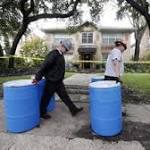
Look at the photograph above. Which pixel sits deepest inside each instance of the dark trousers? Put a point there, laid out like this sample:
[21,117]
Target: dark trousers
[111,78]
[49,89]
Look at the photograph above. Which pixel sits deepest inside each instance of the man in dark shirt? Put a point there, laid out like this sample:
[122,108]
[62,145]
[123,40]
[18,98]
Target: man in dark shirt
[53,69]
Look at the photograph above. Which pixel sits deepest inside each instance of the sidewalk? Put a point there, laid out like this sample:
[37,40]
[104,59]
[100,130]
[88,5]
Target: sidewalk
[64,132]
[80,79]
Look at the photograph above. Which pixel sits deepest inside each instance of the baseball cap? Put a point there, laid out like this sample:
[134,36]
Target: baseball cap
[67,44]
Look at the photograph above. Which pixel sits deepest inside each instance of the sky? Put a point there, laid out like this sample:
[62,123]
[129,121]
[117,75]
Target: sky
[108,19]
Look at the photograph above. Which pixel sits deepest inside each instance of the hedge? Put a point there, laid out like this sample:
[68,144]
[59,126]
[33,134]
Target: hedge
[139,66]
[132,66]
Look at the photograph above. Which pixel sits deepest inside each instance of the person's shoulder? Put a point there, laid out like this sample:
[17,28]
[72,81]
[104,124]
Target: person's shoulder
[53,52]
[116,50]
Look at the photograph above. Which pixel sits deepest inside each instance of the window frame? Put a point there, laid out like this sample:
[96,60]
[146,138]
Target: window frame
[86,38]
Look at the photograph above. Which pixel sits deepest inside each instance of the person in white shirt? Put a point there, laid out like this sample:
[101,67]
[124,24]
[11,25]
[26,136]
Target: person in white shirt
[115,65]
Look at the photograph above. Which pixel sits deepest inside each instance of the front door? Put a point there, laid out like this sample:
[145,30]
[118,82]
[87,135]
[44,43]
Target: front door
[86,57]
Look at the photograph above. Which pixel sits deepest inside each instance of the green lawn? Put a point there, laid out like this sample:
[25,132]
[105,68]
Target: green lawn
[138,81]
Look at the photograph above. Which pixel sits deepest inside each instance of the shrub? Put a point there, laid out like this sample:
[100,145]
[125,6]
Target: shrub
[140,66]
[3,63]
[146,56]
[34,48]
[20,62]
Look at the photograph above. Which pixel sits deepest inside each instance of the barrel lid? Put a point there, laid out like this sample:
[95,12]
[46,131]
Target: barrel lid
[104,84]
[18,83]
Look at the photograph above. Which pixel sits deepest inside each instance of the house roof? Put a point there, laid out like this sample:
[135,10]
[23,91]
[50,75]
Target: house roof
[74,29]
[114,29]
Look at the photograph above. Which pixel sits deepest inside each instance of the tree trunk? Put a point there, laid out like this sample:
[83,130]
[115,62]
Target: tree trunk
[1,51]
[138,37]
[7,44]
[137,50]
[27,19]
[149,27]
[15,43]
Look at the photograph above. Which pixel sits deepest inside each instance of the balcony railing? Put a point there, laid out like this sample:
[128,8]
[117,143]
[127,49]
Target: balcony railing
[87,46]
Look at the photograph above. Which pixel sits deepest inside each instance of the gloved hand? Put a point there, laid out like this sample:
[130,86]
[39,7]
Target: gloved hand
[34,81]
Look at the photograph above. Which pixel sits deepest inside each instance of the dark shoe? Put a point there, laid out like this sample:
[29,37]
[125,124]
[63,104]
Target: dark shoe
[124,114]
[76,111]
[38,126]
[45,116]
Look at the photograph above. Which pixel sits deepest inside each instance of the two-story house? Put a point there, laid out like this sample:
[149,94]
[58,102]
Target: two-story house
[90,42]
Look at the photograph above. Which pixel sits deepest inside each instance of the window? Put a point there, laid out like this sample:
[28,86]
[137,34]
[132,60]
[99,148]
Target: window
[87,37]
[110,38]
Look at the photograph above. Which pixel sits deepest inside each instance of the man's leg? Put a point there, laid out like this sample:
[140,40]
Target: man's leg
[62,93]
[49,90]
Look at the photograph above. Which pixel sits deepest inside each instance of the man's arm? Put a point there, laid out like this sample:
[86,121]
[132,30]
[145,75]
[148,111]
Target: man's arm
[47,64]
[116,66]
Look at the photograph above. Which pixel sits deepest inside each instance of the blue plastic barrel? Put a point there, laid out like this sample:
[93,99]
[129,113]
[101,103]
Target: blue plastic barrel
[21,105]
[97,78]
[52,103]
[105,108]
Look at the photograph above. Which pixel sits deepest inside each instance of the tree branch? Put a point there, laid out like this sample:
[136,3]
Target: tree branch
[46,15]
[138,7]
[142,10]
[31,8]
[27,19]
[21,31]
[22,5]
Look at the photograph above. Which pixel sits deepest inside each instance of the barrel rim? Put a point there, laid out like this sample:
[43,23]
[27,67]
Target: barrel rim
[10,83]
[112,85]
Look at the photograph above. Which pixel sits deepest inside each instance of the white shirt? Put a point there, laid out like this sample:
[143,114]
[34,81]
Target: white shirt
[115,54]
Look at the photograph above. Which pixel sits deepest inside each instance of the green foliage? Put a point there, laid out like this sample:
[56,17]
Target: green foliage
[137,20]
[19,62]
[146,56]
[3,63]
[9,16]
[140,67]
[9,22]
[34,48]
[16,15]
